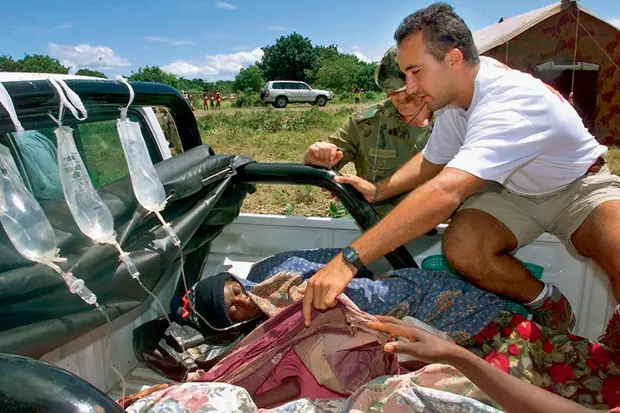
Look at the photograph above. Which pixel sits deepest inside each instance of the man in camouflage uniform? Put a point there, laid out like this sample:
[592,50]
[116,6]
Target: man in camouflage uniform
[380,138]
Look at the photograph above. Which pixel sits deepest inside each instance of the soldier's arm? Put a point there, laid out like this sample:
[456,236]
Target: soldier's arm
[347,139]
[411,175]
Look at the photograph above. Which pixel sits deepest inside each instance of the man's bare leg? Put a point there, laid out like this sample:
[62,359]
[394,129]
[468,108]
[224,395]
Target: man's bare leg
[599,238]
[478,246]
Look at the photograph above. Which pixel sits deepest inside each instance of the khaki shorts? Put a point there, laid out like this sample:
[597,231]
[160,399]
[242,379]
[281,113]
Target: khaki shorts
[560,213]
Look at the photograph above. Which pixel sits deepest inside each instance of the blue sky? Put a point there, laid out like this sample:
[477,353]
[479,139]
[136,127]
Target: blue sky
[214,39]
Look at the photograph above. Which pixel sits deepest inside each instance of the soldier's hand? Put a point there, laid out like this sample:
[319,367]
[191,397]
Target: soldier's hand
[323,154]
[367,189]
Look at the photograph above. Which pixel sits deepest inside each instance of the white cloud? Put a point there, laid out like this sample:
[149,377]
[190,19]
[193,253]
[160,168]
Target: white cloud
[277,28]
[156,39]
[65,25]
[171,42]
[188,70]
[373,54]
[224,5]
[615,22]
[87,56]
[214,66]
[181,42]
[363,58]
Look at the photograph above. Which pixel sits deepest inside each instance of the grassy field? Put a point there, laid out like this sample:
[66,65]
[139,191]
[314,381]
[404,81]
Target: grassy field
[269,135]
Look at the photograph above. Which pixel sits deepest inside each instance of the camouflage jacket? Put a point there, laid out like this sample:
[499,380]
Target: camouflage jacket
[378,142]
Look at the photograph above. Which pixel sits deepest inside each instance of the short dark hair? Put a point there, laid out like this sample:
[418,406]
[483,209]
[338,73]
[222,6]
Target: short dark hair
[443,30]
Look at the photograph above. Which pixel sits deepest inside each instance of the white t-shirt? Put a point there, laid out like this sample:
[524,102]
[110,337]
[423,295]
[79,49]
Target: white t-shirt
[518,131]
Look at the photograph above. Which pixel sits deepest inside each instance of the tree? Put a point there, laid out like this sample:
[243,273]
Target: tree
[89,72]
[365,76]
[288,59]
[7,64]
[32,63]
[155,74]
[344,72]
[321,55]
[251,78]
[41,64]
[223,86]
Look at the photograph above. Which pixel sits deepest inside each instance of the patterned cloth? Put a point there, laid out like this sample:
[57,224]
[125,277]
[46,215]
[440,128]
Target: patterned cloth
[196,397]
[442,300]
[570,366]
[338,349]
[222,398]
[436,388]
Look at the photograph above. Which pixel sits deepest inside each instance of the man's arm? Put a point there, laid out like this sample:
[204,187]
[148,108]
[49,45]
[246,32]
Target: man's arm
[338,151]
[423,209]
[412,174]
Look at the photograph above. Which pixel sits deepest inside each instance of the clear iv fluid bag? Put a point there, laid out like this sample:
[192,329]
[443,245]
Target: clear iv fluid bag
[90,213]
[147,186]
[21,215]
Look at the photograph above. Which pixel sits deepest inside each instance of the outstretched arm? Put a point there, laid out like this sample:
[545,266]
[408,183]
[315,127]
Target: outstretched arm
[512,394]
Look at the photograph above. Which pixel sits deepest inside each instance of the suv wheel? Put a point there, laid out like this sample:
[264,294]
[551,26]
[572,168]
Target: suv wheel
[321,100]
[281,102]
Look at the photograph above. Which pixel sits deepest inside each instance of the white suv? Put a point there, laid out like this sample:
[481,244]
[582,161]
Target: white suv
[280,92]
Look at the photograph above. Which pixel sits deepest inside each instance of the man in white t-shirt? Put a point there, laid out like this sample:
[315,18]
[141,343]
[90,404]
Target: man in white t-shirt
[509,153]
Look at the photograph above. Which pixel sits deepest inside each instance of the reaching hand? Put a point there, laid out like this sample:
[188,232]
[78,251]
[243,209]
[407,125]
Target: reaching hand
[324,286]
[422,345]
[367,189]
[323,154]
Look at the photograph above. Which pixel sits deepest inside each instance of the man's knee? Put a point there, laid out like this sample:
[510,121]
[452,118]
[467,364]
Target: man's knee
[473,237]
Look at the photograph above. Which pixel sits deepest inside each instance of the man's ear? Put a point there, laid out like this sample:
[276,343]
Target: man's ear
[454,58]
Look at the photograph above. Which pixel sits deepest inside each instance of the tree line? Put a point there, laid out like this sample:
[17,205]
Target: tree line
[291,57]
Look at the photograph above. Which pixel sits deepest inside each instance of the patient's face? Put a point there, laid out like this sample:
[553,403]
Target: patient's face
[239,305]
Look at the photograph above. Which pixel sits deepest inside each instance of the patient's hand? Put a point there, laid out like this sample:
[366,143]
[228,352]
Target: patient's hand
[287,391]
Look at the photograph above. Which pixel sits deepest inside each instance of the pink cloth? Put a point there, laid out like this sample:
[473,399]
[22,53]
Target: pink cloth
[292,366]
[338,349]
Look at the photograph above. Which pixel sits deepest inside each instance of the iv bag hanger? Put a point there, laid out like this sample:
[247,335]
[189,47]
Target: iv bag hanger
[147,186]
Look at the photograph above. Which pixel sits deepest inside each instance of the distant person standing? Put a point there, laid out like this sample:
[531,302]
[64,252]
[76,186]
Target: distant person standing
[357,92]
[218,101]
[212,102]
[205,100]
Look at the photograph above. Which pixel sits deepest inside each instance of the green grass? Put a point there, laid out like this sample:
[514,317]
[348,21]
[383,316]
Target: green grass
[269,135]
[103,153]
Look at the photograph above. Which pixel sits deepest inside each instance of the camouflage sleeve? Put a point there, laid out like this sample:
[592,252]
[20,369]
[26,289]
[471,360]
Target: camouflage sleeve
[347,139]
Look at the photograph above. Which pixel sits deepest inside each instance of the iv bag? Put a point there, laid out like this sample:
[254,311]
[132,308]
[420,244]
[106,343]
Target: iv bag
[90,213]
[21,215]
[147,186]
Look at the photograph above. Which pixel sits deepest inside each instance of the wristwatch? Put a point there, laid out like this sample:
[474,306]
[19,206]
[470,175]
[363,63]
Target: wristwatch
[351,256]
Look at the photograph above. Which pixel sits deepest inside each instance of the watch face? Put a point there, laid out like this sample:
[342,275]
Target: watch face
[349,254]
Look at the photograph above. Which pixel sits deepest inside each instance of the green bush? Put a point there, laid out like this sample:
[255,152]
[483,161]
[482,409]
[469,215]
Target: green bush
[270,120]
[247,99]
[372,96]
[344,96]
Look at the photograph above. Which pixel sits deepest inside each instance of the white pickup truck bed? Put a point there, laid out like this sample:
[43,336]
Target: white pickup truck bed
[253,237]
